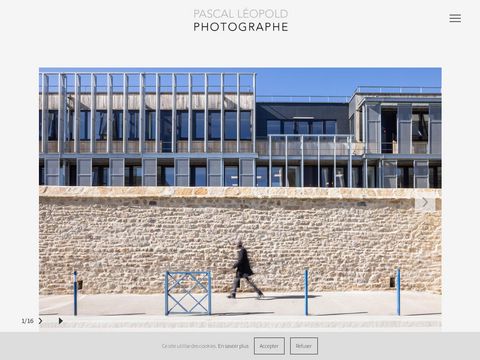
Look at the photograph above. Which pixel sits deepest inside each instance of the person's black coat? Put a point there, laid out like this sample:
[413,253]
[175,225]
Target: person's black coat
[243,264]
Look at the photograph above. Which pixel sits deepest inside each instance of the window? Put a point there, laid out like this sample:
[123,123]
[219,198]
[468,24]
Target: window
[302,127]
[289,127]
[320,127]
[330,127]
[262,176]
[214,119]
[420,119]
[39,124]
[198,125]
[245,125]
[326,176]
[166,130]
[117,128]
[167,176]
[230,132]
[405,177]
[150,124]
[41,175]
[310,176]
[277,176]
[133,124]
[69,125]
[133,176]
[435,176]
[231,175]
[273,127]
[198,176]
[52,125]
[372,176]
[101,125]
[85,125]
[356,177]
[100,175]
[182,125]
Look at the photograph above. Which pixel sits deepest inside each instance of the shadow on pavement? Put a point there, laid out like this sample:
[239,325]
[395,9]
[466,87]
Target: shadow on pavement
[243,313]
[125,314]
[344,313]
[424,314]
[280,297]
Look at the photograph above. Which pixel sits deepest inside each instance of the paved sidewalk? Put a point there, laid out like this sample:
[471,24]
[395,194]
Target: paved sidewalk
[328,310]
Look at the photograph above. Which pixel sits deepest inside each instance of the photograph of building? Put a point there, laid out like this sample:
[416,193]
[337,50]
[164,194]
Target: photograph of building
[147,173]
[214,129]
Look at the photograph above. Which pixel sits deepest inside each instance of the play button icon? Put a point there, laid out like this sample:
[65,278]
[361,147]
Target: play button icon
[60,321]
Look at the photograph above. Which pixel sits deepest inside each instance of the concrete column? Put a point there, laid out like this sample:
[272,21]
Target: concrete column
[157,114]
[125,114]
[61,112]
[365,173]
[109,113]
[254,113]
[205,141]
[141,113]
[238,112]
[93,109]
[302,163]
[76,120]
[45,113]
[349,142]
[334,161]
[190,125]
[222,115]
[286,162]
[174,113]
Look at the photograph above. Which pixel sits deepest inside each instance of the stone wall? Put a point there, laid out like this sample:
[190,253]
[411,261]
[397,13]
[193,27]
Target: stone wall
[121,240]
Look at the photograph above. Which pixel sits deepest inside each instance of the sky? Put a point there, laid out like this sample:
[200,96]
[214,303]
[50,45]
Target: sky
[309,81]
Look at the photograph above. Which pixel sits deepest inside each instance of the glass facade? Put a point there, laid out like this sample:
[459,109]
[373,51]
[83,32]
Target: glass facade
[182,125]
[133,176]
[198,176]
[262,176]
[231,176]
[150,124]
[214,127]
[117,125]
[52,125]
[198,132]
[166,176]
[166,130]
[230,131]
[85,125]
[101,125]
[277,176]
[133,124]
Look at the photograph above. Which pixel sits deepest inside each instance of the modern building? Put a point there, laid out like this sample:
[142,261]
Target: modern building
[213,129]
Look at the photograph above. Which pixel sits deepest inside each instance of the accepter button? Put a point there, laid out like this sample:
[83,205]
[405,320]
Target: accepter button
[269,346]
[303,346]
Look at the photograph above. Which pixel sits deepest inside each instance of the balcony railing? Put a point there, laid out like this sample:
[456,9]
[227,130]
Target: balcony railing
[399,89]
[302,99]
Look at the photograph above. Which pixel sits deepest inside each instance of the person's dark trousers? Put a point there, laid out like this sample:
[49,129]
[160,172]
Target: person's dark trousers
[236,284]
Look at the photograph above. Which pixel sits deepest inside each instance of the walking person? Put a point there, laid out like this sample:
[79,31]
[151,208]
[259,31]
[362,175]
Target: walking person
[243,271]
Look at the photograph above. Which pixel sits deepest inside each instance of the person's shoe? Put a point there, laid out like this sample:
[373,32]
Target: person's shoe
[260,295]
[231,296]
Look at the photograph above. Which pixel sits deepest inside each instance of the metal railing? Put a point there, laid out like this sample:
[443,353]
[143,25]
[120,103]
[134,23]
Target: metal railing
[303,98]
[180,286]
[398,89]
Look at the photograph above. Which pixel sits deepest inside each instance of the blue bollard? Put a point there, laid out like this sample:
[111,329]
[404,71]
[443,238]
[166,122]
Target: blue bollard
[166,293]
[398,291]
[306,291]
[75,293]
[209,293]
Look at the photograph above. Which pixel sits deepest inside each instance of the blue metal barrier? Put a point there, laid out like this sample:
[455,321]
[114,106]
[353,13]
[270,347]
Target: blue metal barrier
[398,291]
[305,275]
[202,280]
[75,293]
